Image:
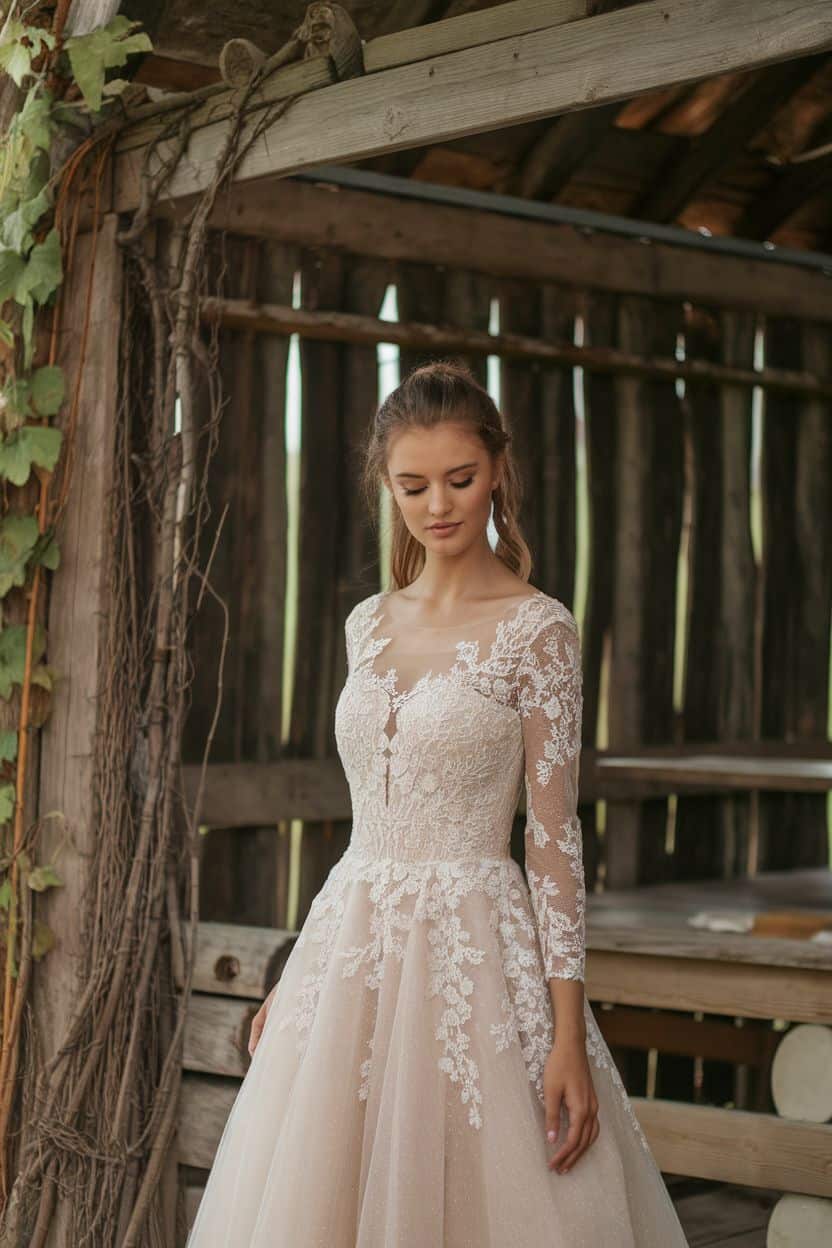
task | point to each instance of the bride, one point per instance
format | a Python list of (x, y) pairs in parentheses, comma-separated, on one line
[(428, 1072)]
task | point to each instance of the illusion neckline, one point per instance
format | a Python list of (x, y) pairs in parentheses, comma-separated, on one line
[(384, 594)]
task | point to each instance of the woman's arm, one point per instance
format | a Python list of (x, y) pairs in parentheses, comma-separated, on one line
[(551, 704)]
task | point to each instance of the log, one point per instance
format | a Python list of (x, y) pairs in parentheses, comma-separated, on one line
[(801, 1074)]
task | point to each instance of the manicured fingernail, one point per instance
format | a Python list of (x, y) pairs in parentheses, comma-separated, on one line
[(551, 1135)]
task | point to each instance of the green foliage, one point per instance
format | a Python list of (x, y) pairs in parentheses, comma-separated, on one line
[(92, 55), (31, 444), (20, 45), (18, 537), (13, 658)]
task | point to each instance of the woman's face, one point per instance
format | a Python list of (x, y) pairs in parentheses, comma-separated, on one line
[(442, 476)]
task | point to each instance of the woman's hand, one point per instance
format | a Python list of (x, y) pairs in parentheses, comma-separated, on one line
[(259, 1022), (567, 1080)]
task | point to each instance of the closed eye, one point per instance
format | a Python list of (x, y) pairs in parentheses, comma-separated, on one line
[(458, 485)]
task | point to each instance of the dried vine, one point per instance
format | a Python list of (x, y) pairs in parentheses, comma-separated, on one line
[(101, 1115)]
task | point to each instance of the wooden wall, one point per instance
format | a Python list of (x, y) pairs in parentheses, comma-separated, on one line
[(667, 504)]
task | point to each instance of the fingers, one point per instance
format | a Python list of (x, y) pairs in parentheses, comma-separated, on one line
[(584, 1129)]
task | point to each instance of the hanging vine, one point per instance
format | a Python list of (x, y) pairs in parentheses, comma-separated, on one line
[(101, 1113)]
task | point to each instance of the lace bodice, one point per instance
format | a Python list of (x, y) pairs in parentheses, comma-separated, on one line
[(440, 733)]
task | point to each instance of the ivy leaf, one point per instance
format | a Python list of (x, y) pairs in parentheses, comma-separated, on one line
[(8, 746), (13, 655), (6, 886), (18, 538), (44, 676), (16, 396), (31, 444), (15, 56), (18, 225), (44, 877), (43, 939), (34, 118), (47, 552), (43, 270), (6, 334), (12, 267), (92, 55), (48, 390), (6, 815)]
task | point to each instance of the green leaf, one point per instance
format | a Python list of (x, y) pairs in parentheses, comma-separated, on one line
[(31, 444), (18, 537), (43, 939), (6, 886), (6, 334), (13, 655), (34, 119), (43, 676), (15, 57), (8, 746), (17, 227), (47, 552), (48, 390), (43, 270), (12, 268), (91, 55), (16, 393), (44, 877)]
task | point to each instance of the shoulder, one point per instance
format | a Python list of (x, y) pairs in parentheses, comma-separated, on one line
[(550, 646), (548, 616), (363, 611), (359, 623)]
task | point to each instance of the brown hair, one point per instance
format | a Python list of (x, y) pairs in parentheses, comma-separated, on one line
[(445, 390)]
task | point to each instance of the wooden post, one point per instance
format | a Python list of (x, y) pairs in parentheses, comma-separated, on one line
[(76, 620)]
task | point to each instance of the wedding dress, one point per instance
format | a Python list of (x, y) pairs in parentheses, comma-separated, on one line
[(395, 1098)]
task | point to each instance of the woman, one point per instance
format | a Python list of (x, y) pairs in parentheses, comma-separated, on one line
[(428, 1073)]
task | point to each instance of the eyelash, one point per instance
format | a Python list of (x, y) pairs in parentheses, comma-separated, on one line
[(458, 485)]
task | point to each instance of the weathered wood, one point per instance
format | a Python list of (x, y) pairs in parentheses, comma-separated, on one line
[(442, 337), (756, 1149), (76, 637), (796, 467), (705, 155), (576, 65), (489, 241), (678, 979), (239, 960), (733, 1146), (468, 30), (216, 1035)]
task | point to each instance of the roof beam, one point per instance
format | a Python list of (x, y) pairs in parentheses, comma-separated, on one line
[(513, 79), (701, 158)]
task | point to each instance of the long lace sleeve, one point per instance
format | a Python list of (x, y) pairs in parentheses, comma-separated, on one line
[(551, 704)]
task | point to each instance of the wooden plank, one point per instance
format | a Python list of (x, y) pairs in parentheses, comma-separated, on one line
[(239, 960), (707, 154), (759, 1150), (78, 614), (732, 1146), (438, 336), (468, 30), (490, 241), (504, 83), (796, 597), (216, 1035), (686, 982)]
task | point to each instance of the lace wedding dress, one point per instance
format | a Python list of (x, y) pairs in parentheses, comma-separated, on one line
[(395, 1099)]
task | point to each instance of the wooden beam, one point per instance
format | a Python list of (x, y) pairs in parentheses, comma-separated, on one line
[(492, 242), (679, 981), (794, 186), (333, 326), (729, 1145), (737, 1146), (512, 80), (701, 158)]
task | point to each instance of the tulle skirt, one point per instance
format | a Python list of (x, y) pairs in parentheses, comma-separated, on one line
[(395, 1097)]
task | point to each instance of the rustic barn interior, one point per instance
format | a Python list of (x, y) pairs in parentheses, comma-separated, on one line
[(644, 285)]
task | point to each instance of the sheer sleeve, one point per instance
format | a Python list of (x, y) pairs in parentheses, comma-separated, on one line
[(551, 704)]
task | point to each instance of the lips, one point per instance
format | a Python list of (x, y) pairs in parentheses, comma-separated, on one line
[(443, 528)]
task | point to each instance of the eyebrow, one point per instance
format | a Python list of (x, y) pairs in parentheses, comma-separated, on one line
[(459, 468)]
